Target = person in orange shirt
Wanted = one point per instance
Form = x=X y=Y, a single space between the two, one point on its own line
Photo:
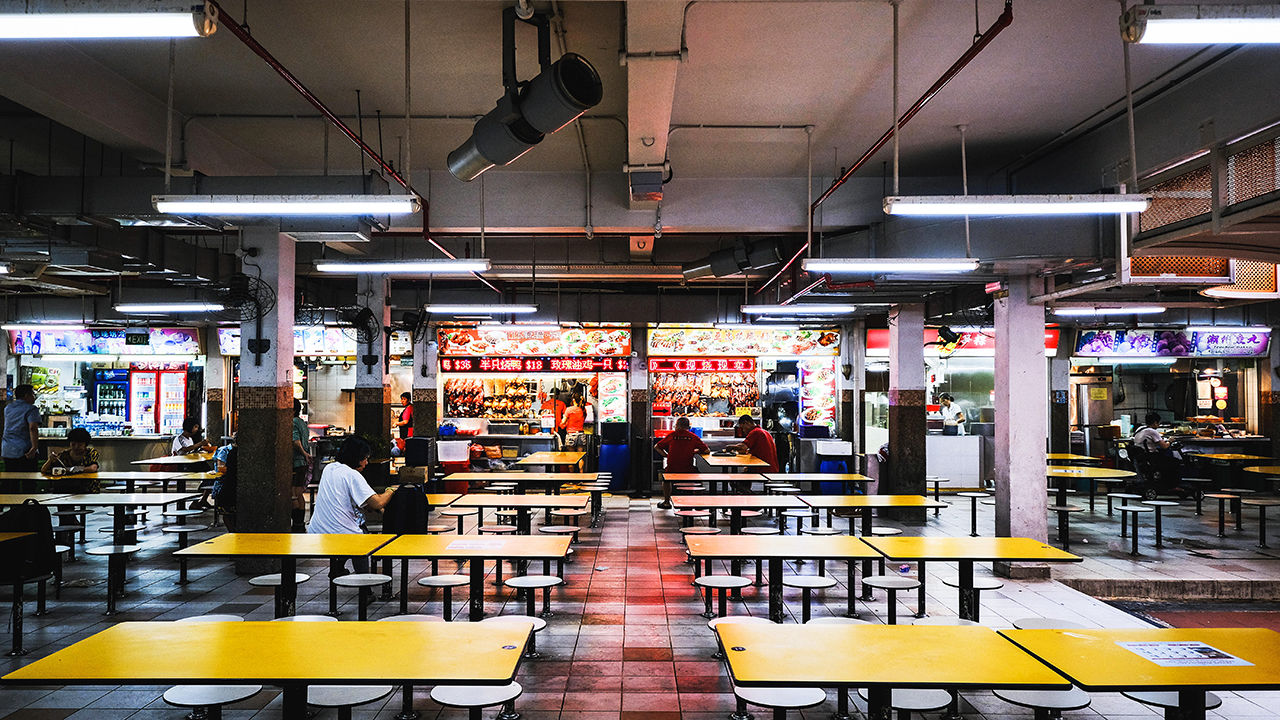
x=574 y=419
x=552 y=405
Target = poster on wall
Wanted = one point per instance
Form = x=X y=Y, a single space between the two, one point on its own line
x=743 y=341
x=105 y=341
x=309 y=340
x=480 y=341
x=1209 y=342
x=969 y=343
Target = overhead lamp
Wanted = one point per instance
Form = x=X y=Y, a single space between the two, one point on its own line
x=799 y=309
x=947 y=335
x=286 y=205
x=4 y=268
x=167 y=307
x=404 y=267
x=977 y=205
x=527 y=111
x=480 y=309
x=1088 y=310
x=45 y=326
x=1201 y=24
x=889 y=265
x=1227 y=328
x=63 y=20
x=1130 y=360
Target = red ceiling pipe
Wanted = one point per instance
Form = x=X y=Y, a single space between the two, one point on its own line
x=979 y=44
x=831 y=285
x=243 y=35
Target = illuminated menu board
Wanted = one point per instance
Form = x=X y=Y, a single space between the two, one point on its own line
x=534 y=364
x=104 y=341
x=702 y=365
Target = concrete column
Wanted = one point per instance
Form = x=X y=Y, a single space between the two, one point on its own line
x=906 y=407
x=853 y=358
x=643 y=475
x=425 y=385
x=1059 y=405
x=1021 y=413
x=264 y=399
x=5 y=370
x=1269 y=397
x=215 y=387
x=373 y=394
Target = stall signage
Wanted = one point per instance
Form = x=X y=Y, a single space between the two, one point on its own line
x=314 y=340
x=511 y=342
x=108 y=341
x=969 y=343
x=1230 y=343
x=743 y=341
x=695 y=365
x=1172 y=343
x=535 y=364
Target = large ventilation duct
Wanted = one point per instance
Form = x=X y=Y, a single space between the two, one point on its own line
x=735 y=260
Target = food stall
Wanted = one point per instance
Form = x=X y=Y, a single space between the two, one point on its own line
x=130 y=388
x=496 y=382
x=1204 y=381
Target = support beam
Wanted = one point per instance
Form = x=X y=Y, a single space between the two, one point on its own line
x=906 y=407
x=215 y=388
x=425 y=420
x=373 y=394
x=652 y=57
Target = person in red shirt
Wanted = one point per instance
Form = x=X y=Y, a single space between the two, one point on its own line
x=554 y=407
x=758 y=442
x=679 y=448
x=574 y=419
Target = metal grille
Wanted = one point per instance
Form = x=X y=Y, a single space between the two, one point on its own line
x=1182 y=197
x=1164 y=266
x=1251 y=172
x=1253 y=276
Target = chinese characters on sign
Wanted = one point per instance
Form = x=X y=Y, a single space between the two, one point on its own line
x=702 y=365
x=534 y=364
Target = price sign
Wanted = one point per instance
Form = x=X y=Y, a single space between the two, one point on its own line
x=695 y=365
x=534 y=364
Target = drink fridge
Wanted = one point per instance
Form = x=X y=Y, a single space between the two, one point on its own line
x=111 y=393
x=157 y=401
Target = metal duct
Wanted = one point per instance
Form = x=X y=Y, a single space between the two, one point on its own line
x=735 y=260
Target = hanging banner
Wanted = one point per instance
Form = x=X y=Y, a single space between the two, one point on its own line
x=105 y=341
x=1173 y=343
x=976 y=343
x=743 y=341
x=481 y=341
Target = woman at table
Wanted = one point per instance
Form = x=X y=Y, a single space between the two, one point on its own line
x=78 y=458
x=679 y=448
x=342 y=495
x=191 y=440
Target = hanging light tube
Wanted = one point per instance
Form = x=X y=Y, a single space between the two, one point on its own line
x=286 y=205
x=1199 y=24
x=167 y=307
x=460 y=266
x=116 y=20
x=480 y=309
x=799 y=309
x=889 y=265
x=1089 y=310
x=992 y=205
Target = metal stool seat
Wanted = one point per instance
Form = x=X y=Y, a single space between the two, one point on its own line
x=807 y=584
x=209 y=618
x=699 y=530
x=460 y=513
x=891 y=584
x=1064 y=522
x=1041 y=623
x=950 y=621
x=181 y=513
x=495 y=529
x=1169 y=700
x=914 y=700
x=438 y=528
x=410 y=618
x=837 y=620
x=182 y=531
x=1128 y=511
x=305 y=618
x=447 y=583
x=474 y=698
x=1222 y=499
x=116 y=555
x=979 y=583
x=209 y=697
x=780 y=698
x=1120 y=496
x=363 y=582
x=722 y=584
x=760 y=531
x=1261 y=503
x=1235 y=504
x=1046 y=703
x=1159 y=506
x=746 y=514
x=570 y=513
x=884 y=531
x=345 y=697
x=820 y=531
x=529 y=583
x=692 y=513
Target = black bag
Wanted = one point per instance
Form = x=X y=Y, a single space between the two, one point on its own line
x=32 y=556
x=406 y=511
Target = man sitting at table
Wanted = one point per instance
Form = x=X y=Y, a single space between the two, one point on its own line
x=191 y=440
x=758 y=442
x=1151 y=442
x=679 y=448
x=342 y=494
x=79 y=458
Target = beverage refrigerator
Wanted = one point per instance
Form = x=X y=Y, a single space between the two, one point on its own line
x=111 y=393
x=157 y=400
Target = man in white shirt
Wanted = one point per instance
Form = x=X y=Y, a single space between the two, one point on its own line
x=342 y=494
x=1149 y=438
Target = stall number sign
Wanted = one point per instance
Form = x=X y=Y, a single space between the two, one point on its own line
x=534 y=364
x=702 y=365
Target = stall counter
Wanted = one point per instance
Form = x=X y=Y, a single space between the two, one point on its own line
x=116 y=452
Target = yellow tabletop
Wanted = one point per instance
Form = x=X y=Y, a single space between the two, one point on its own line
x=817 y=477
x=1071 y=457
x=712 y=477
x=177 y=459
x=1232 y=457
x=7 y=536
x=1264 y=469
x=1081 y=472
x=744 y=460
x=19 y=498
x=730 y=502
x=1096 y=660
x=489 y=500
x=748 y=547
x=936 y=656
x=278 y=652
x=553 y=458
x=288 y=545
x=519 y=477
x=519 y=547
x=439 y=499
x=969 y=548
x=110 y=475
x=131 y=499
x=190 y=476
x=866 y=501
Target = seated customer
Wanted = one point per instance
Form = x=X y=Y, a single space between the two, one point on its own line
x=679 y=448
x=191 y=440
x=1149 y=437
x=1161 y=459
x=341 y=496
x=758 y=442
x=79 y=458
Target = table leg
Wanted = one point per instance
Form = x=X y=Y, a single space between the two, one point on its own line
x=850 y=610
x=477 y=589
x=1093 y=489
x=775 y=589
x=878 y=703
x=920 y=591
x=1191 y=704
x=842 y=704
x=735 y=528
x=294 y=701
x=288 y=585
x=404 y=586
x=15 y=613
x=968 y=600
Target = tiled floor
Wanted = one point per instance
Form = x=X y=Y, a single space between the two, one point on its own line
x=627 y=641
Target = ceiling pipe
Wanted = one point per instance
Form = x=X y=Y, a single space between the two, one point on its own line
x=243 y=35
x=831 y=285
x=979 y=44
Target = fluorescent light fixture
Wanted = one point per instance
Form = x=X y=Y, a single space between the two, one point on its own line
x=169 y=307
x=1201 y=24
x=404 y=267
x=286 y=205
x=175 y=19
x=1126 y=360
x=4 y=268
x=480 y=309
x=889 y=265
x=517 y=327
x=800 y=309
x=1089 y=311
x=1227 y=328
x=961 y=205
x=1232 y=292
x=50 y=325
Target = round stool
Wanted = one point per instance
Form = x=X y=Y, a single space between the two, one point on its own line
x=182 y=531
x=345 y=697
x=778 y=699
x=571 y=530
x=836 y=620
x=116 y=556
x=529 y=583
x=306 y=618
x=208 y=698
x=761 y=531
x=1039 y=623
x=530 y=650
x=1222 y=499
x=1132 y=511
x=974 y=497
x=1047 y=703
x=495 y=529
x=979 y=584
x=570 y=514
x=210 y=618
x=1235 y=504
x=688 y=516
x=884 y=531
x=363 y=582
x=723 y=584
x=949 y=621
x=1169 y=700
x=475 y=698
x=274 y=581
x=799 y=515
x=1111 y=497
x=911 y=700
x=446 y=583
x=1262 y=504
x=460 y=513
x=891 y=584
x=1159 y=505
x=807 y=584
x=410 y=618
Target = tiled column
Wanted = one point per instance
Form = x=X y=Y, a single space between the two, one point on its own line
x=214 y=387
x=1059 y=406
x=1269 y=398
x=373 y=395
x=4 y=367
x=906 y=407
x=425 y=420
x=1022 y=396
x=264 y=398
x=643 y=477
x=853 y=353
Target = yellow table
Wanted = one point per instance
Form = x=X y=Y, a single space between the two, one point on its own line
x=709 y=478
x=7 y=499
x=727 y=463
x=964 y=551
x=128 y=477
x=865 y=503
x=182 y=478
x=192 y=459
x=288 y=547
x=1094 y=475
x=734 y=504
x=550 y=479
x=778 y=548
x=1071 y=458
x=1096 y=661
x=122 y=502
x=289 y=655
x=7 y=536
x=441 y=499
x=573 y=457
x=475 y=549
x=1225 y=462
x=814 y=478
x=880 y=657
x=522 y=504
x=1264 y=469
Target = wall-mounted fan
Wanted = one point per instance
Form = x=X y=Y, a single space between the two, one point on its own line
x=362 y=325
x=245 y=298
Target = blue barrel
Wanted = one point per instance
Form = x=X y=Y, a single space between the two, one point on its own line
x=832 y=467
x=616 y=459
